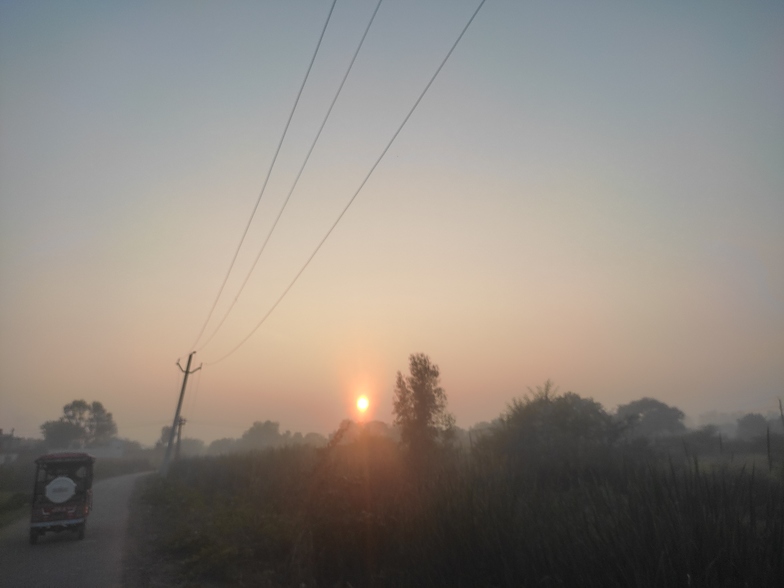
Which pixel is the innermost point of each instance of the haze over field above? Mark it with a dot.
(592, 193)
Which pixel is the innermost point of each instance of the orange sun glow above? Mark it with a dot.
(362, 403)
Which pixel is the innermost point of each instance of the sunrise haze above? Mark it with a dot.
(588, 192)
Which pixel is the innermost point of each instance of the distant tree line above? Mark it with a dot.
(547, 425)
(82, 424)
(422, 423)
(260, 435)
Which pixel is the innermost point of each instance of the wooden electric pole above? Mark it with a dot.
(180, 423)
(175, 424)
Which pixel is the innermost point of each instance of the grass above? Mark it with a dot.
(361, 515)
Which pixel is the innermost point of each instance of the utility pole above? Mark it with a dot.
(187, 371)
(181, 422)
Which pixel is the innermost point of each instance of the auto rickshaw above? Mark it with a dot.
(62, 494)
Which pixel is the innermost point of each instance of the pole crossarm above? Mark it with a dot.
(183, 370)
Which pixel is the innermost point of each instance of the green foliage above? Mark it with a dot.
(81, 425)
(420, 405)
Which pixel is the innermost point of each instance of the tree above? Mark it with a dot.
(314, 440)
(547, 427)
(420, 405)
(222, 446)
(163, 440)
(188, 445)
(101, 427)
(62, 434)
(752, 425)
(82, 424)
(706, 440)
(263, 435)
(77, 413)
(649, 417)
(191, 446)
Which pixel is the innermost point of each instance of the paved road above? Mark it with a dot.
(60, 560)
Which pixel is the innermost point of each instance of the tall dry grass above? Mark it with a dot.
(364, 515)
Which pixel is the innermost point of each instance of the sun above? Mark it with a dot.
(362, 403)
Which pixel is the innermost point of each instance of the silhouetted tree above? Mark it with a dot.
(163, 440)
(420, 405)
(704, 441)
(649, 417)
(222, 446)
(547, 427)
(191, 446)
(82, 424)
(62, 434)
(314, 440)
(752, 425)
(188, 445)
(101, 427)
(262, 435)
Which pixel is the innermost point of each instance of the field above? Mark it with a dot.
(366, 514)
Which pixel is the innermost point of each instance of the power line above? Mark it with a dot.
(190, 406)
(299, 175)
(356, 193)
(266, 180)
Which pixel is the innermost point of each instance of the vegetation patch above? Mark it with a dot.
(554, 492)
(13, 506)
(363, 515)
(557, 492)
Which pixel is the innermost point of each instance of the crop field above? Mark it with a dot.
(367, 514)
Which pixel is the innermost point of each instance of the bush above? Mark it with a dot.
(565, 432)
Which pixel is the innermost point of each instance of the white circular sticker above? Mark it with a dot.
(60, 489)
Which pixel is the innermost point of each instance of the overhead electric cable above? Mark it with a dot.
(190, 406)
(299, 175)
(362, 184)
(266, 180)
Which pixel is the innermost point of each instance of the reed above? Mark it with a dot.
(361, 515)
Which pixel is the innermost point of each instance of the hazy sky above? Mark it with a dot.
(591, 192)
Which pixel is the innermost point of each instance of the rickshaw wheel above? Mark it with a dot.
(33, 536)
(80, 536)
